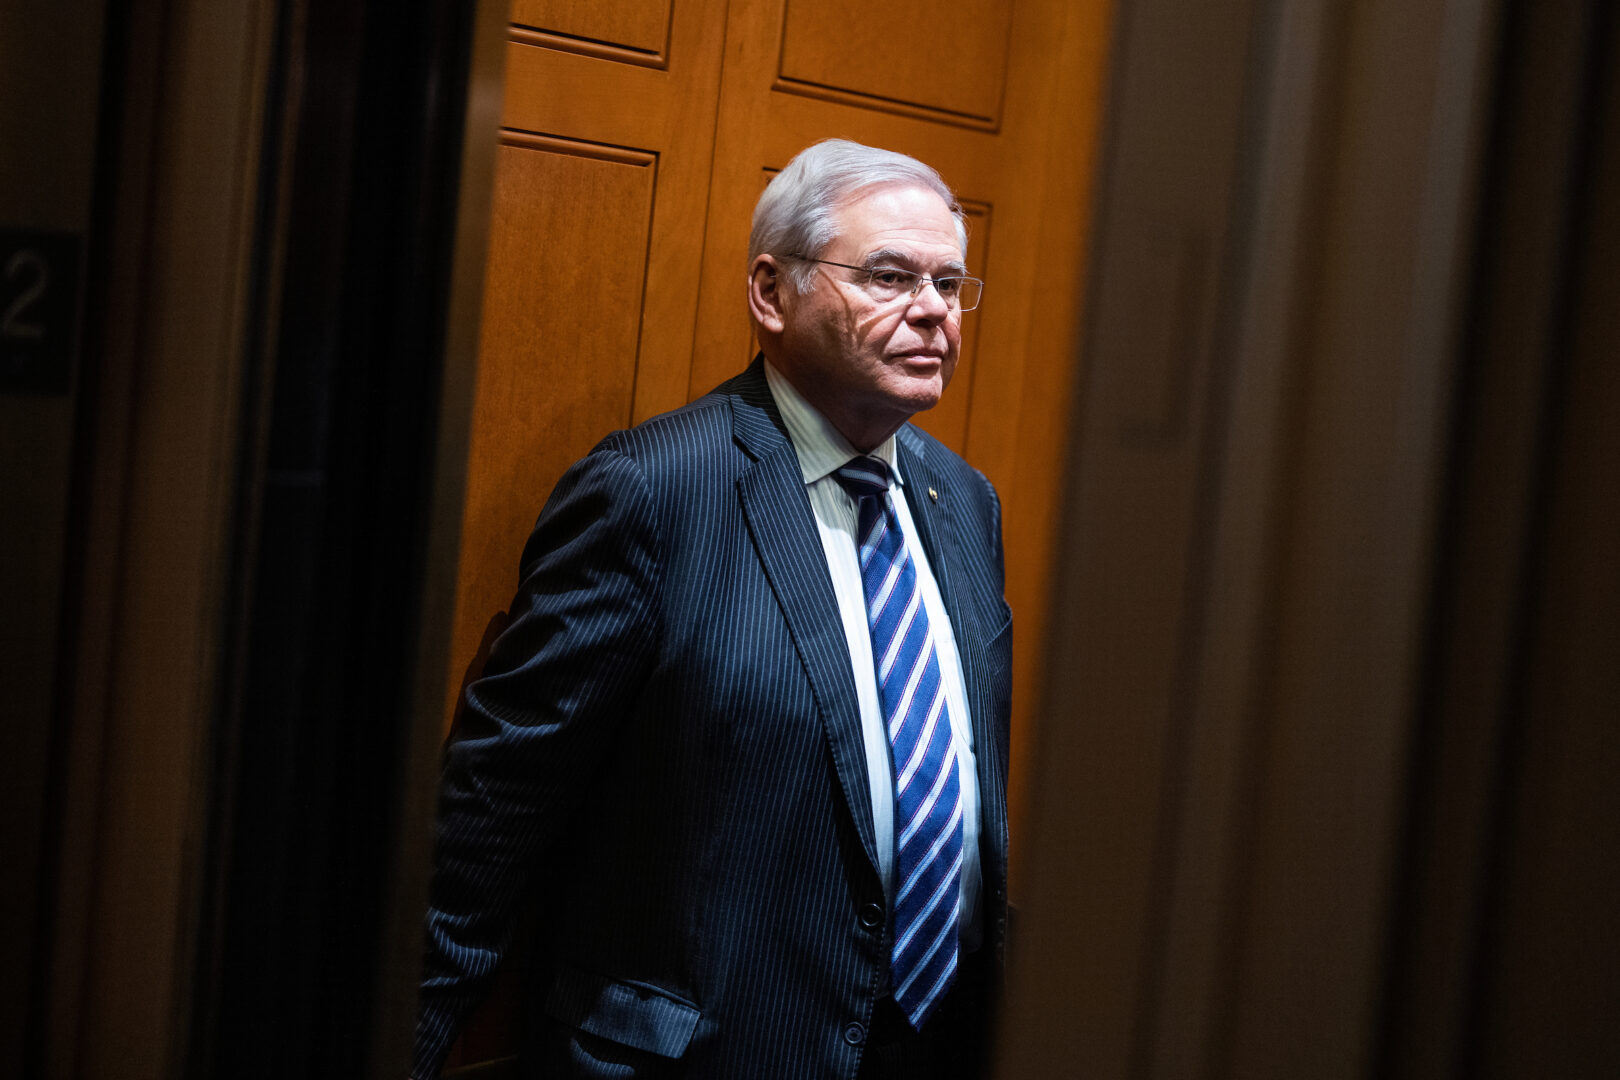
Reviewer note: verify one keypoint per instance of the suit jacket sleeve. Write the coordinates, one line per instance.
(536, 725)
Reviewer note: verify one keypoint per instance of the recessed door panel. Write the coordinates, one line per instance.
(571, 228)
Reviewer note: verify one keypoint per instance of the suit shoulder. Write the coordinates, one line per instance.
(677, 433)
(678, 452)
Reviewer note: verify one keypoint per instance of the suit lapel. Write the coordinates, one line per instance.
(782, 526)
(931, 509)
(963, 584)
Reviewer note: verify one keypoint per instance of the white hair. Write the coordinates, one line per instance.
(796, 214)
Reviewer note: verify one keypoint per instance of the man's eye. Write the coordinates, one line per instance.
(948, 286)
(892, 279)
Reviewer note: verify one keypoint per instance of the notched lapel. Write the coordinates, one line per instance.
(782, 526)
(933, 510)
(967, 585)
(966, 578)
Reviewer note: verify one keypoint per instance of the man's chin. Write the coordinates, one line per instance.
(919, 393)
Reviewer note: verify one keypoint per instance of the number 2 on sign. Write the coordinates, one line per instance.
(30, 267)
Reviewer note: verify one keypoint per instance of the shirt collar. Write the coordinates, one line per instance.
(822, 448)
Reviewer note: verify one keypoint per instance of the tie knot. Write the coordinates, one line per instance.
(863, 476)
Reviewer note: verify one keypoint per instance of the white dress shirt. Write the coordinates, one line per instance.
(822, 450)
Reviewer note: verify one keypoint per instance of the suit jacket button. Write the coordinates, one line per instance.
(872, 916)
(854, 1034)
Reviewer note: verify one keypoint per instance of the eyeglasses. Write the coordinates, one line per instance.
(888, 283)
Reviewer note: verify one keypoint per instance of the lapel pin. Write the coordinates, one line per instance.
(934, 495)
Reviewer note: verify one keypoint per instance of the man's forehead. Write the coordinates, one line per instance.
(905, 200)
(912, 258)
(905, 221)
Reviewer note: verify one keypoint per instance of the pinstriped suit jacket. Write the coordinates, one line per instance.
(664, 754)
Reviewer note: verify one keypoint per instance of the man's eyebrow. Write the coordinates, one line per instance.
(893, 257)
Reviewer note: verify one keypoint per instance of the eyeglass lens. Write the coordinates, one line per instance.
(958, 292)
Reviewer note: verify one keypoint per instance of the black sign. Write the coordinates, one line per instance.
(39, 290)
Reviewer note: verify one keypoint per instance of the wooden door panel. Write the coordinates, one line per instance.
(641, 26)
(950, 69)
(591, 282)
(609, 100)
(570, 234)
(666, 113)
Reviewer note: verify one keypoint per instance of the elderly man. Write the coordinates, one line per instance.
(740, 757)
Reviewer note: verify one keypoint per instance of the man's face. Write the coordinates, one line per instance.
(867, 365)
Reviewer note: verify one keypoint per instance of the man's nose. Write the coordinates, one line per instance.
(927, 304)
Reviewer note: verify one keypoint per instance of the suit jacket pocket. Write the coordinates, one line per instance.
(633, 1014)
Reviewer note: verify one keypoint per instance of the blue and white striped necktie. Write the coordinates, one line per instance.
(927, 789)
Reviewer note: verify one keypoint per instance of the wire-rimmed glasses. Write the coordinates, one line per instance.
(889, 283)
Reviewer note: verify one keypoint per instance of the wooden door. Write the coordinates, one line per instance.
(636, 138)
(591, 284)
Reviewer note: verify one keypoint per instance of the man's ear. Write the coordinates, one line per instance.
(766, 287)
